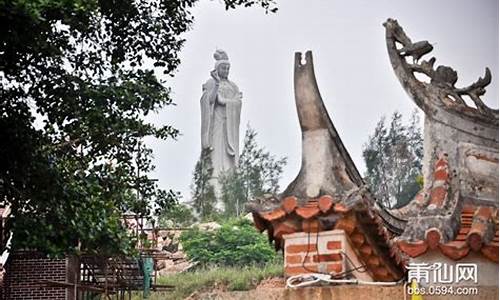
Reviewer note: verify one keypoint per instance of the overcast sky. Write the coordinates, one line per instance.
(352, 68)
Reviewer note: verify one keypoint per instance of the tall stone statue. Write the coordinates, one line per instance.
(220, 116)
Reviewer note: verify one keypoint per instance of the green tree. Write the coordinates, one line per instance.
(178, 215)
(76, 81)
(235, 243)
(393, 157)
(202, 190)
(257, 173)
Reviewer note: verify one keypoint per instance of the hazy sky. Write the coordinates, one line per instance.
(352, 68)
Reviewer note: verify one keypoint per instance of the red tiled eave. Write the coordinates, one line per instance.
(475, 223)
(455, 249)
(491, 251)
(413, 249)
(289, 204)
(273, 215)
(307, 212)
(363, 228)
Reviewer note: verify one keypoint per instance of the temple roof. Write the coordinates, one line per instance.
(440, 219)
(363, 227)
(328, 193)
(456, 212)
(477, 232)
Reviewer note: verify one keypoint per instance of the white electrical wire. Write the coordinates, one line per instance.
(312, 278)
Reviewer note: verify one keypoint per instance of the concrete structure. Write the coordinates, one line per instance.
(328, 199)
(339, 292)
(455, 216)
(453, 220)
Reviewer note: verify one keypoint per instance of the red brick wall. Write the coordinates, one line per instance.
(318, 253)
(1, 282)
(23, 271)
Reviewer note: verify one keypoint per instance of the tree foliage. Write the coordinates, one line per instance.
(393, 157)
(236, 243)
(202, 189)
(257, 173)
(178, 215)
(77, 78)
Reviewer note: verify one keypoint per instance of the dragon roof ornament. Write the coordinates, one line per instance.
(457, 209)
(441, 90)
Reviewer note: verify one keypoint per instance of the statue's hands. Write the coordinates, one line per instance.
(221, 101)
(215, 76)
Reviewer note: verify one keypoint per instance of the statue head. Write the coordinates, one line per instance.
(222, 64)
(223, 70)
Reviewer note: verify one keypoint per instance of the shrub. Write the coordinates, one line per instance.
(236, 243)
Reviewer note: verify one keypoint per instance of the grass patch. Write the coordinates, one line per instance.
(235, 278)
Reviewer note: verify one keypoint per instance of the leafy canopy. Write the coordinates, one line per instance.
(393, 157)
(203, 195)
(235, 243)
(178, 215)
(258, 173)
(77, 78)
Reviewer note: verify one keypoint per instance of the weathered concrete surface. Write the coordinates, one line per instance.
(327, 168)
(344, 292)
(449, 121)
(327, 194)
(487, 272)
(458, 134)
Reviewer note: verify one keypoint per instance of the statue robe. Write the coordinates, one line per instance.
(220, 123)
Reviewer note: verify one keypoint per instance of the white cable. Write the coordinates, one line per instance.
(305, 279)
(312, 278)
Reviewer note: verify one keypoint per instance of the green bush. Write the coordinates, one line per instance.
(236, 243)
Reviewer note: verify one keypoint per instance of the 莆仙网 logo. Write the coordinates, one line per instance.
(442, 272)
